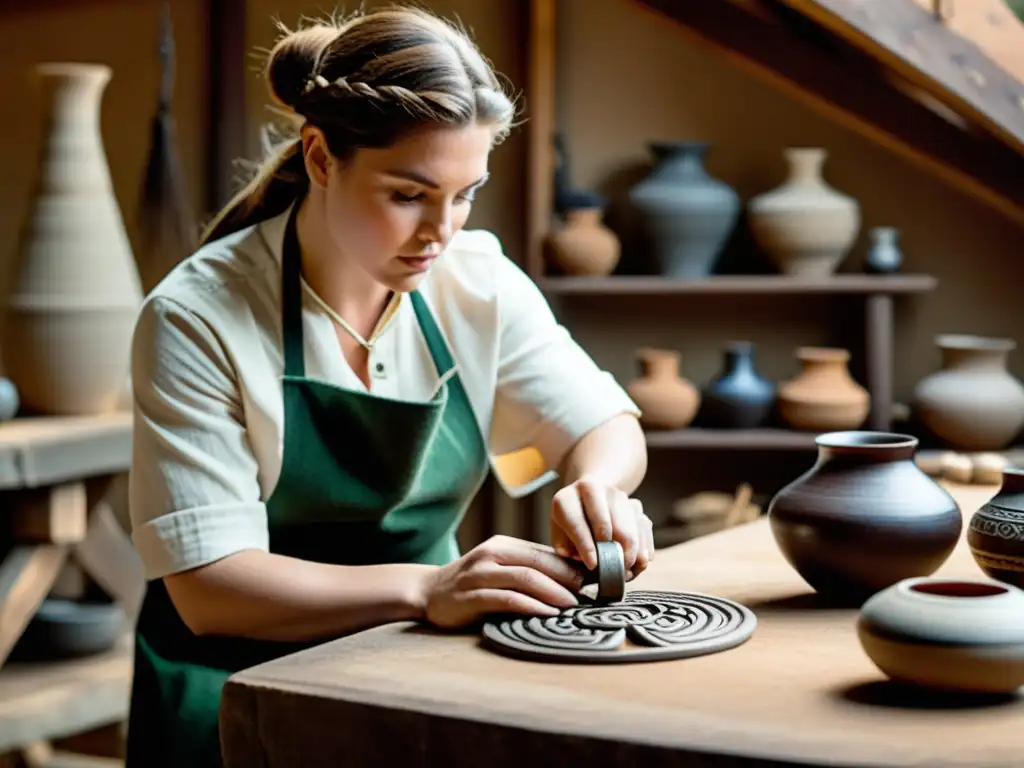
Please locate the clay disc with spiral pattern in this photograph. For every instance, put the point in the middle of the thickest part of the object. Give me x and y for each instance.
(644, 626)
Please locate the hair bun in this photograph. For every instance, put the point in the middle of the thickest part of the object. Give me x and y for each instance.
(294, 58)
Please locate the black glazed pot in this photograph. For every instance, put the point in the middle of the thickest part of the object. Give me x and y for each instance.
(864, 516)
(738, 397)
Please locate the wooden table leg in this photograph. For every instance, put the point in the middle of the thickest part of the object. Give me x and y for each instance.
(106, 554)
(45, 522)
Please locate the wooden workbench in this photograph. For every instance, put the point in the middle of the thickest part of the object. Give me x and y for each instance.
(54, 474)
(800, 691)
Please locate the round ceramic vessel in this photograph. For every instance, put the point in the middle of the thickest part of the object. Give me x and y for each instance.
(996, 532)
(738, 397)
(972, 403)
(864, 517)
(805, 226)
(964, 635)
(686, 214)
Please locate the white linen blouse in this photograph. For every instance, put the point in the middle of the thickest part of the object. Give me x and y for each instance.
(207, 362)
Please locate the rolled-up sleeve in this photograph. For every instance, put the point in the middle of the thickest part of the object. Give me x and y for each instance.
(194, 494)
(549, 392)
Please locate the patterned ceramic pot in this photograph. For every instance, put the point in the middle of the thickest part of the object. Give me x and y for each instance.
(996, 531)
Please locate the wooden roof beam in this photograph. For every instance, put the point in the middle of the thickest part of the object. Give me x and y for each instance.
(792, 54)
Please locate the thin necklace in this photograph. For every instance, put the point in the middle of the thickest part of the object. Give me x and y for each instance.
(389, 313)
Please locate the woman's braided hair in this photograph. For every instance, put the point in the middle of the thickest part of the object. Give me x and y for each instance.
(366, 81)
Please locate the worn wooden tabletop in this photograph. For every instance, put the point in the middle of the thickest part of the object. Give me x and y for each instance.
(800, 691)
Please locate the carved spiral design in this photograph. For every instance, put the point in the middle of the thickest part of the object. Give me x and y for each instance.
(616, 615)
(659, 624)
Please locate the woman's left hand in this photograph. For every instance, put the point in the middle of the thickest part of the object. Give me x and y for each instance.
(587, 511)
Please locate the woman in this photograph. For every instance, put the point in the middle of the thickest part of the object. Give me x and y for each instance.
(320, 389)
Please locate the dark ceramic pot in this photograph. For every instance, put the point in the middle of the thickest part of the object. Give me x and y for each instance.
(996, 532)
(864, 517)
(686, 214)
(738, 398)
(70, 628)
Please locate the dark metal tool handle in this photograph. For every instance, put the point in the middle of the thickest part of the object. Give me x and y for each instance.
(610, 574)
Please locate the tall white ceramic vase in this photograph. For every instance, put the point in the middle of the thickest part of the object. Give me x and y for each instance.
(76, 293)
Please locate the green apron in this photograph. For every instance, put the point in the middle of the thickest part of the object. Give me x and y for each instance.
(364, 479)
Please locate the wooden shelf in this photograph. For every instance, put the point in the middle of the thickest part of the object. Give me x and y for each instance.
(732, 439)
(44, 450)
(52, 700)
(739, 284)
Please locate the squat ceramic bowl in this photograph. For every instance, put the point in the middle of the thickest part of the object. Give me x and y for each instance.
(958, 635)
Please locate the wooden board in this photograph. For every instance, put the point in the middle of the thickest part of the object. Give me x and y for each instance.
(48, 701)
(701, 439)
(42, 451)
(801, 689)
(725, 285)
(991, 25)
(917, 45)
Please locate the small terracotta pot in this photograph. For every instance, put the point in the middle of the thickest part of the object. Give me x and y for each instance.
(864, 516)
(824, 397)
(963, 635)
(666, 400)
(996, 532)
(583, 245)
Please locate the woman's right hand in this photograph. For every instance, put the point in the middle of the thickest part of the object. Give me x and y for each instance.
(502, 575)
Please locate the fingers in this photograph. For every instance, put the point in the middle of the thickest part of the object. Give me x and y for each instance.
(483, 602)
(521, 579)
(625, 522)
(646, 531)
(568, 515)
(507, 551)
(597, 509)
(585, 512)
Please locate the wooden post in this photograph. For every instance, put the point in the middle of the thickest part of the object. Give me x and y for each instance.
(541, 103)
(878, 342)
(226, 126)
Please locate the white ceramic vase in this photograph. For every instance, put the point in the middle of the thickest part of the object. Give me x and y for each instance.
(72, 309)
(963, 635)
(972, 403)
(805, 226)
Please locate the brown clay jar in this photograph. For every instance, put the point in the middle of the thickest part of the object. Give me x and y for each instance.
(666, 400)
(864, 517)
(583, 245)
(824, 396)
(996, 532)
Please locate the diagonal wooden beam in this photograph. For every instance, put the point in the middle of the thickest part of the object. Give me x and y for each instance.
(790, 53)
(918, 45)
(26, 575)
